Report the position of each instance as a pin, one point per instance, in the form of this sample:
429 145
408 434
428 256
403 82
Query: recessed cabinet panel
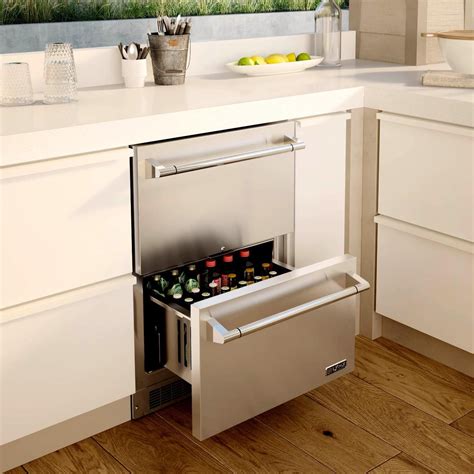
426 285
426 174
66 360
65 223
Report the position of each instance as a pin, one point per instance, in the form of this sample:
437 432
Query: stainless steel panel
188 216
236 381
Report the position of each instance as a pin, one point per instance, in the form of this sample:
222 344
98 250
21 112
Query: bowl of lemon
274 64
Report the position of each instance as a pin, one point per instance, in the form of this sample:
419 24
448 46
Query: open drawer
249 350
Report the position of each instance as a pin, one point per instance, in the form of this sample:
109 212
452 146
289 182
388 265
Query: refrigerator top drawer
202 195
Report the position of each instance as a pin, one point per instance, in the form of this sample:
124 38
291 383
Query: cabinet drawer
426 282
426 174
65 356
249 350
65 223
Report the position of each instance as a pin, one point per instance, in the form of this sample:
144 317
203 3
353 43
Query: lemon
276 58
303 57
291 57
258 60
246 62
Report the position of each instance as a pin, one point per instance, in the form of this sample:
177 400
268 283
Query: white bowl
279 68
459 54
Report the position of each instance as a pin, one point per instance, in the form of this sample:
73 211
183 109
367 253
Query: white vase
134 72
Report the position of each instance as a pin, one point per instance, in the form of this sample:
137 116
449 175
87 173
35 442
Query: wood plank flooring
397 412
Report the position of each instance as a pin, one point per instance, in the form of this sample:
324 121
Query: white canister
134 72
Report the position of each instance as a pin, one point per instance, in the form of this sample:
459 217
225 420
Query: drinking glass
15 84
59 74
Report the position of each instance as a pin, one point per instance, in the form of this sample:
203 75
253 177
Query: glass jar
59 74
327 19
15 84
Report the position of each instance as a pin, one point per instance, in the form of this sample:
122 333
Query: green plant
44 11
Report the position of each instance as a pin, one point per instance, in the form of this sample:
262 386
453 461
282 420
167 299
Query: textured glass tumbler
15 84
327 36
59 74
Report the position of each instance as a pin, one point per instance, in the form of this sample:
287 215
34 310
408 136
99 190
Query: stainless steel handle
221 335
156 170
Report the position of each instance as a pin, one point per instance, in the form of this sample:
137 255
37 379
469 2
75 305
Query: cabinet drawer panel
66 360
426 174
65 224
426 285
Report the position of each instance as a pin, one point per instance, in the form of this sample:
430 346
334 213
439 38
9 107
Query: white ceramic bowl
459 54
457 48
279 68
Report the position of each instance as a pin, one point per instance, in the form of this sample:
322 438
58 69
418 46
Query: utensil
457 48
132 52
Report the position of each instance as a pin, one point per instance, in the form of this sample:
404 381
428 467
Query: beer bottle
195 292
159 285
191 279
175 285
233 283
213 288
266 268
227 268
206 276
249 273
244 256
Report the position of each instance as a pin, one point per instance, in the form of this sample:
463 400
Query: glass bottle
327 18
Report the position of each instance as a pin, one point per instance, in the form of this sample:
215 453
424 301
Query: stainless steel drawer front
227 190
236 381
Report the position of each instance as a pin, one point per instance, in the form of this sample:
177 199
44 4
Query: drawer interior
167 321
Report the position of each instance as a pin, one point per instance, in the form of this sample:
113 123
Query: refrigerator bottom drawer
249 350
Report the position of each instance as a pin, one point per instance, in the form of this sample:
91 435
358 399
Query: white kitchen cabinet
425 280
426 174
65 355
320 189
65 223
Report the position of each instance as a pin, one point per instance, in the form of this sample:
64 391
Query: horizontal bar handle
157 170
221 335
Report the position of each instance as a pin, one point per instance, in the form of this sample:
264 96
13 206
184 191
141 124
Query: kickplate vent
166 394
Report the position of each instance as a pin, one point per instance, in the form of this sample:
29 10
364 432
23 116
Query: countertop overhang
112 117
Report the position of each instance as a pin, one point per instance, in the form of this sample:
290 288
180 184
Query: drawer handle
156 170
221 335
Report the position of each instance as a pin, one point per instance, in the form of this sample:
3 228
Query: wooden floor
397 412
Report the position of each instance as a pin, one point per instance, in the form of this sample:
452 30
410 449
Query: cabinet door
320 189
65 223
64 356
426 174
425 281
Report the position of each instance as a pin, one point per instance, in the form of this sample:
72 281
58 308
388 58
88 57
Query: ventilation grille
166 394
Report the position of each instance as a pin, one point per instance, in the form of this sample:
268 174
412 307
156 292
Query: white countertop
111 117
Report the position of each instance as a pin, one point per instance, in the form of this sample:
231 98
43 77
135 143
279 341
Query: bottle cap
273 273
192 267
174 272
266 265
188 300
210 263
228 258
232 275
205 294
212 285
196 290
224 289
157 277
177 296
242 282
257 278
244 253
